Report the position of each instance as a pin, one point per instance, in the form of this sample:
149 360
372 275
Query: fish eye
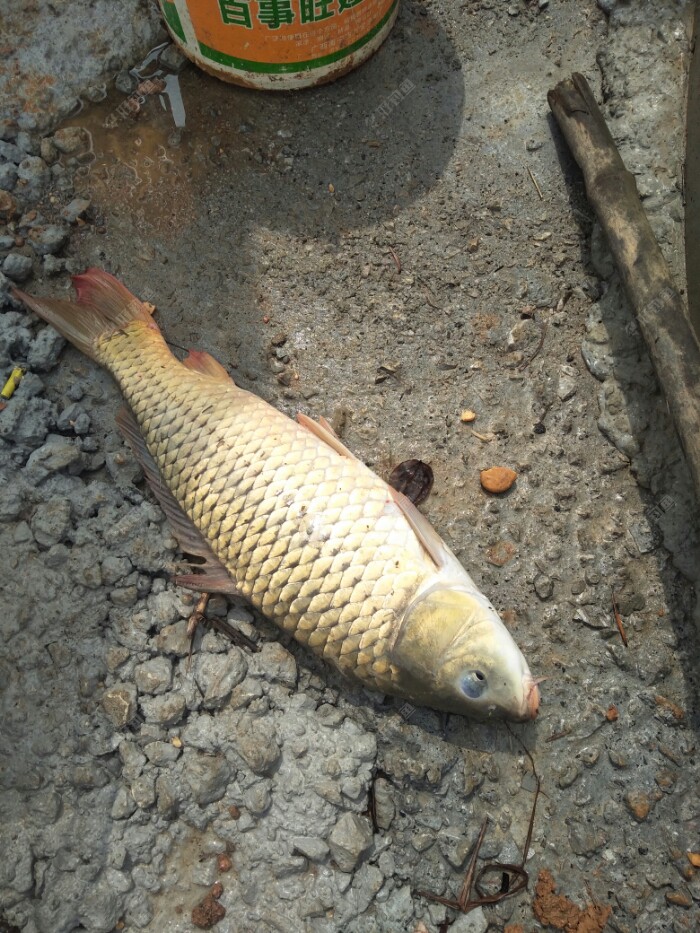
473 684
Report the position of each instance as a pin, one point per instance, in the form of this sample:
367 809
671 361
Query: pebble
165 710
33 176
498 479
8 206
257 743
49 239
119 703
207 775
51 522
124 805
277 664
75 209
74 418
17 267
8 176
544 586
217 674
162 753
143 790
639 804
45 350
154 676
349 840
311 847
70 139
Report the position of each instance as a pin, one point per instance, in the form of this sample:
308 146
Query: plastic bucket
279 44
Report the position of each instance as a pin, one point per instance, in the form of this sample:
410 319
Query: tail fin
103 306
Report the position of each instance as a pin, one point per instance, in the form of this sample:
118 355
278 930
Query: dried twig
395 257
618 619
534 182
543 331
514 879
194 621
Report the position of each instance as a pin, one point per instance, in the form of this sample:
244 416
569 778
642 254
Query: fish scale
307 535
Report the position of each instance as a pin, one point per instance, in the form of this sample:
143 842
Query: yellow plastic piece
9 388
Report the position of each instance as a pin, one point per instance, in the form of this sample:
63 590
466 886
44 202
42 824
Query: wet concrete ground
386 272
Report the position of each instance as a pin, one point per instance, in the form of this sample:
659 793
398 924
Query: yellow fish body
284 515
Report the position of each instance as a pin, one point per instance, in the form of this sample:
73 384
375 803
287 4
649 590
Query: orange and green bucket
279 44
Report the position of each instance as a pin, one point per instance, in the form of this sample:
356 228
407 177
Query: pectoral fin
324 432
213 576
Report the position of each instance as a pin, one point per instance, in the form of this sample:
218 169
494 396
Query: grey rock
173 639
74 418
115 569
53 265
162 753
385 808
49 239
89 775
45 350
27 142
168 795
124 805
311 847
56 455
8 176
154 676
473 922
70 139
75 209
125 82
173 59
165 710
6 240
8 129
207 775
11 503
455 846
100 908
257 799
47 151
32 178
277 664
28 421
584 839
10 152
217 674
133 760
544 586
257 743
119 703
51 522
350 839
143 790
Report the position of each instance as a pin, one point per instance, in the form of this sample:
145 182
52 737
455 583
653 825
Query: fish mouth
531 697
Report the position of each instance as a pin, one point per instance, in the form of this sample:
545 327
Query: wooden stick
660 311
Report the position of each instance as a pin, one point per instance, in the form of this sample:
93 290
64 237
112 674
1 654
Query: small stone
124 805
165 710
455 846
8 176
473 922
33 176
119 703
679 899
8 206
569 773
143 790
70 139
350 839
45 350
639 804
544 586
207 913
167 795
498 479
49 239
47 151
223 863
207 775
154 676
500 553
217 674
384 806
278 664
585 840
74 418
257 743
173 639
311 847
467 416
162 753
51 522
75 209
17 267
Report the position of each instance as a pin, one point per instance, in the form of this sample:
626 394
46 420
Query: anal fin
324 432
213 577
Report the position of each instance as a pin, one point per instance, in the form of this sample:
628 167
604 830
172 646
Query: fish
281 513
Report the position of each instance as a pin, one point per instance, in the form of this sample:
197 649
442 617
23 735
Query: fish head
454 653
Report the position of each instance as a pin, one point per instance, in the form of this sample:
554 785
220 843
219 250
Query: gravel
131 770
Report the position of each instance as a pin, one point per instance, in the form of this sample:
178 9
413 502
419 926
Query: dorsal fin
214 577
202 362
435 547
324 432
